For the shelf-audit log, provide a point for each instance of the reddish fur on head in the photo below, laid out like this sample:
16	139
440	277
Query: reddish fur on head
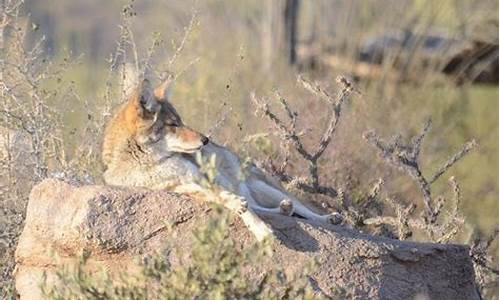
147	118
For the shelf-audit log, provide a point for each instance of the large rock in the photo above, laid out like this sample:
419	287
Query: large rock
118	224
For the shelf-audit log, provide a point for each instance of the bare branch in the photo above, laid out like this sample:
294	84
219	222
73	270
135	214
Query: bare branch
289	135
453	159
417	141
406	157
334	119
400	155
286	133
292	115
315	89
187	32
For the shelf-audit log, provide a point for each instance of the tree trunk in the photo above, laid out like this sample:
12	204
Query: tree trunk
291	14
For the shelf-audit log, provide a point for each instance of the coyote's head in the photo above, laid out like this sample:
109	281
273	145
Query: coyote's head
156	122
148	125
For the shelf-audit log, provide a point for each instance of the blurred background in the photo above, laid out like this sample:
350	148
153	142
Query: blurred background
410	59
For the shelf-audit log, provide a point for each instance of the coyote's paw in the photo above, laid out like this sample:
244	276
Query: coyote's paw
286	207
234	202
334	218
243	207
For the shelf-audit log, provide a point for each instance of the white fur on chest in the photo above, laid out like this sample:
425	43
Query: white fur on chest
169	172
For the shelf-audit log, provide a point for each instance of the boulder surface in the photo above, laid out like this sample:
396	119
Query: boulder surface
116	225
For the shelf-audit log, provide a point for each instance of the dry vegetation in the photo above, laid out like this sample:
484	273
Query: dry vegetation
54	104
214	270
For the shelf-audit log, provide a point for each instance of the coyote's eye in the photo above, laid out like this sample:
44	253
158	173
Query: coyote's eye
172	124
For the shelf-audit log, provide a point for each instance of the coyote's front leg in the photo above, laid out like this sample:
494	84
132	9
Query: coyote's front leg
232	202
255	224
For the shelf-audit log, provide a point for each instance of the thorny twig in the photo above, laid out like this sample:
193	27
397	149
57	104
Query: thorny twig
453	159
401	221
224	112
406	157
289	134
405	223
118	58
132	72
180	48
455	221
187	32
485	268
479	252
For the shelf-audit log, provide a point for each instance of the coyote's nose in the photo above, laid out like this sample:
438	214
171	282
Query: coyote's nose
204	140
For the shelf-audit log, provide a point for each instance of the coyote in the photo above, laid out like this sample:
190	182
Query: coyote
146	144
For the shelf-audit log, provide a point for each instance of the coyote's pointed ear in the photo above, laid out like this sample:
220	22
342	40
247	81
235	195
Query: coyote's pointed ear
164	90
145	98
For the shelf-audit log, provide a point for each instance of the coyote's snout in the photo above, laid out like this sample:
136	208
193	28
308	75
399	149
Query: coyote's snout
146	144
